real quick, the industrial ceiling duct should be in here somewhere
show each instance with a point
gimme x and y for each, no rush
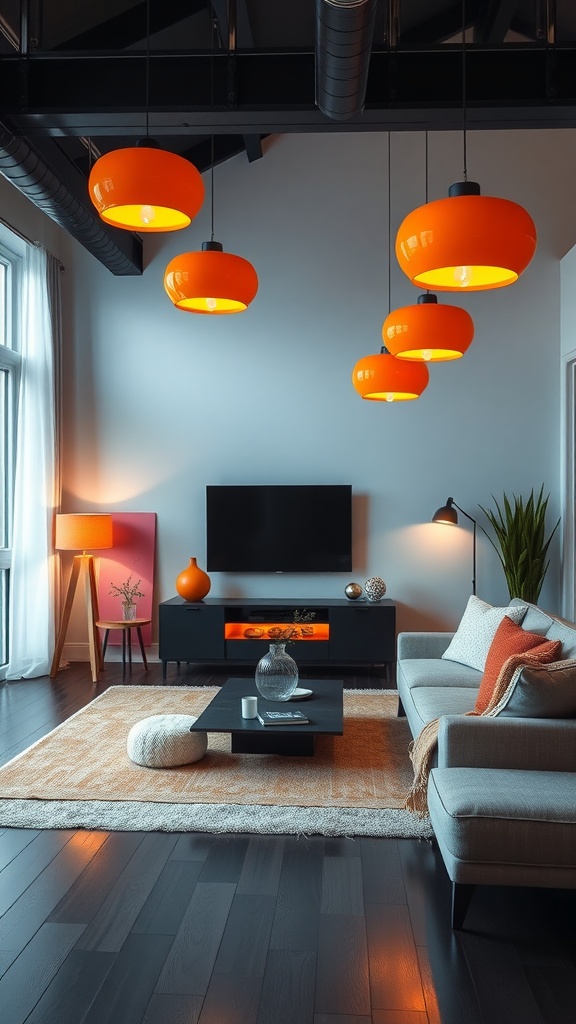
(24, 168)
(344, 32)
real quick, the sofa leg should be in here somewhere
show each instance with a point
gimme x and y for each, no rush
(400, 712)
(461, 896)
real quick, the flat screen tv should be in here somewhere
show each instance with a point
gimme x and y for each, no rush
(279, 528)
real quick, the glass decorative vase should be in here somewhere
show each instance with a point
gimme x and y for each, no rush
(128, 611)
(276, 674)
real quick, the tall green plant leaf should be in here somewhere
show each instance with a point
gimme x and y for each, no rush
(520, 530)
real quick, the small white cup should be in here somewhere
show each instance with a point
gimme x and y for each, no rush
(249, 707)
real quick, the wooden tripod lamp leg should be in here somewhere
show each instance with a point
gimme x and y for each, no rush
(94, 643)
(76, 566)
(83, 565)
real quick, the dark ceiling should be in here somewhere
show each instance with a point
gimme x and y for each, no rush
(79, 79)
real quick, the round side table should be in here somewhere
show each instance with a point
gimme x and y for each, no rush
(126, 625)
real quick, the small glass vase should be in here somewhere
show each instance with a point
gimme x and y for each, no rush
(276, 674)
(128, 612)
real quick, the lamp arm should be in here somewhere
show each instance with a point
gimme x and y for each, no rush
(471, 518)
(473, 521)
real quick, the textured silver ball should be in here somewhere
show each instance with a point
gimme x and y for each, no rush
(375, 588)
(353, 591)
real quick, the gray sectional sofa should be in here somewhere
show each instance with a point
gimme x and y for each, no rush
(502, 796)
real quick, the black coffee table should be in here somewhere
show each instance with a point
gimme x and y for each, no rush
(324, 709)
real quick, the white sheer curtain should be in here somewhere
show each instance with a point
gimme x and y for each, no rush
(36, 496)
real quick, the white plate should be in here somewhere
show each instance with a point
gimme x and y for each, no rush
(300, 694)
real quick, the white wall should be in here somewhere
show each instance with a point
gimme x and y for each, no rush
(159, 403)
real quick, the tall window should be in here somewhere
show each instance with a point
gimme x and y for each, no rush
(569, 488)
(10, 287)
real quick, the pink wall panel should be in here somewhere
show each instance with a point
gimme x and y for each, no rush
(133, 552)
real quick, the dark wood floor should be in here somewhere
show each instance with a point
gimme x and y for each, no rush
(154, 928)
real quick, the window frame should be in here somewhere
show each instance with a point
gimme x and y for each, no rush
(12, 250)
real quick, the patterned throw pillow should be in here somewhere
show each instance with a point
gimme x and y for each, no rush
(509, 639)
(471, 642)
(540, 691)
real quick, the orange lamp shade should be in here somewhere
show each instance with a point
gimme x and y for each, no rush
(145, 188)
(383, 378)
(466, 242)
(211, 281)
(428, 331)
(83, 530)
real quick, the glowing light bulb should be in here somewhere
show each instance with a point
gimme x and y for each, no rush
(389, 397)
(463, 276)
(147, 214)
(211, 304)
(426, 354)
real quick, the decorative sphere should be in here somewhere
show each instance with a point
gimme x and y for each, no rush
(353, 591)
(375, 588)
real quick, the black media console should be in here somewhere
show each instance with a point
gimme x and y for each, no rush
(238, 630)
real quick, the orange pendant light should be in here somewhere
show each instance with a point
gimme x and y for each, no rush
(383, 378)
(467, 242)
(428, 331)
(211, 281)
(145, 188)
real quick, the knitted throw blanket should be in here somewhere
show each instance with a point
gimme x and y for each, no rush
(423, 747)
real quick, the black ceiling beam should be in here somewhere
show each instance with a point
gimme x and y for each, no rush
(494, 21)
(225, 147)
(253, 147)
(512, 87)
(439, 27)
(129, 27)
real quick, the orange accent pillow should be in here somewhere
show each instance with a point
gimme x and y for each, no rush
(508, 639)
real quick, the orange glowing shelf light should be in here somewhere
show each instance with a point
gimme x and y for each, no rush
(279, 631)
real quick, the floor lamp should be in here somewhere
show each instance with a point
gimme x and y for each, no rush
(79, 532)
(447, 514)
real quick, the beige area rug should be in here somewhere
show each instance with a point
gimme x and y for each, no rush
(79, 775)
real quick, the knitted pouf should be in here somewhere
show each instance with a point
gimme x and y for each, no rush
(165, 741)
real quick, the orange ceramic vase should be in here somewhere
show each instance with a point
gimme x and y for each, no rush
(193, 583)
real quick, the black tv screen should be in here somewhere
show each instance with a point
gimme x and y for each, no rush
(279, 528)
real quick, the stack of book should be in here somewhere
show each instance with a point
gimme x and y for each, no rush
(282, 718)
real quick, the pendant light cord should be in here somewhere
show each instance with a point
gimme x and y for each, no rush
(464, 89)
(212, 190)
(426, 177)
(384, 350)
(426, 166)
(147, 68)
(212, 59)
(389, 235)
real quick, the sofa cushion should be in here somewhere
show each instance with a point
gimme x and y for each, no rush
(509, 639)
(540, 691)
(537, 621)
(560, 631)
(476, 631)
(432, 701)
(436, 672)
(534, 620)
(500, 815)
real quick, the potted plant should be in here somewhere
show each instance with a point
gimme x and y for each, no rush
(127, 591)
(521, 543)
